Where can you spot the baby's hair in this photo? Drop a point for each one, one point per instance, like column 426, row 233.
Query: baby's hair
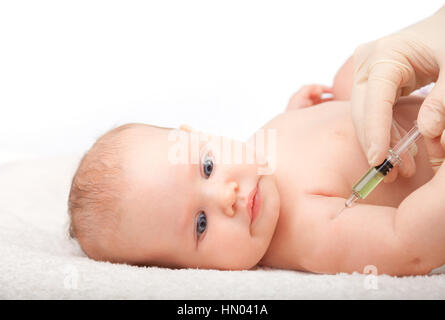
column 94, row 203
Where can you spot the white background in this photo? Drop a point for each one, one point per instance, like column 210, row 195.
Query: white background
column 70, row 70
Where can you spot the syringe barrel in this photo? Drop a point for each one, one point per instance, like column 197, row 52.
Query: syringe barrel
column 407, row 140
column 367, row 183
column 371, row 179
column 375, row 175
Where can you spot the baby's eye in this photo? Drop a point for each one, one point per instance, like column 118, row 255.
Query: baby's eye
column 207, row 166
column 201, row 224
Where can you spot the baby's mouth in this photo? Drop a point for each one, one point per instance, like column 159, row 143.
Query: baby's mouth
column 254, row 203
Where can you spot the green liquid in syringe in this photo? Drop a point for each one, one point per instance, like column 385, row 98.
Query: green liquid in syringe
column 371, row 179
column 375, row 175
column 368, row 182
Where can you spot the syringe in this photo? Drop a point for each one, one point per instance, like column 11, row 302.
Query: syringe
column 375, row 175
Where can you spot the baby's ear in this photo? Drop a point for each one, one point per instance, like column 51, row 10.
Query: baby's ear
column 186, row 127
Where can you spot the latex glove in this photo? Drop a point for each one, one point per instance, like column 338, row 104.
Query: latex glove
column 309, row 95
column 393, row 66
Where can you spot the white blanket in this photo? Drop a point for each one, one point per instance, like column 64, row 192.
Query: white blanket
column 38, row 261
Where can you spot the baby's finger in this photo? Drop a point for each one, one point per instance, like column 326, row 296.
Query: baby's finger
column 318, row 88
column 321, row 94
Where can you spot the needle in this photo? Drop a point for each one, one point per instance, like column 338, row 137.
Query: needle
column 340, row 211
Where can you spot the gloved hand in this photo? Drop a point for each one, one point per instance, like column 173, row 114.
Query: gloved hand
column 395, row 66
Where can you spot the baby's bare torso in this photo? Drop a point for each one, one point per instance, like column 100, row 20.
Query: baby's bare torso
column 318, row 154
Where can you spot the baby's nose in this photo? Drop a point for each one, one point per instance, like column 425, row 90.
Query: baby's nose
column 228, row 198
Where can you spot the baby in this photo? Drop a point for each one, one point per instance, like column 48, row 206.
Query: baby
column 142, row 197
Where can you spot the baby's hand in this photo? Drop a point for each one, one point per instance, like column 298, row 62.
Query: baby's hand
column 309, row 95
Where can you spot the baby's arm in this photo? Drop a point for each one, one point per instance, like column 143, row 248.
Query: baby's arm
column 311, row 95
column 398, row 241
column 343, row 80
column 308, row 96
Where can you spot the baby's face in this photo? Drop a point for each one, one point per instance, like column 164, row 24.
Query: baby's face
column 197, row 213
